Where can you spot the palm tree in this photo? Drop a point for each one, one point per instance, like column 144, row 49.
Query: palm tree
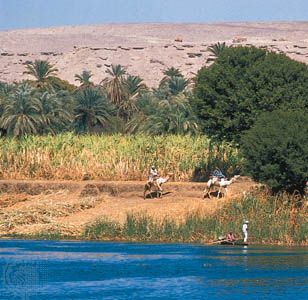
column 169, row 73
column 217, row 48
column 55, row 117
column 172, row 72
column 172, row 83
column 174, row 116
column 114, row 86
column 170, row 116
column 84, row 78
column 133, row 87
column 146, row 105
column 6, row 89
column 21, row 113
column 92, row 109
column 177, row 85
column 41, row 70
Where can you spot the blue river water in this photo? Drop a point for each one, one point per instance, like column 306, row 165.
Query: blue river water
column 111, row 270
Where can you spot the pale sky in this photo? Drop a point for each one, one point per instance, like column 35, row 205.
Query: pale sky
column 46, row 13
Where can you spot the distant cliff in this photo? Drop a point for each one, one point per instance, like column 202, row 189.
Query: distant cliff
column 146, row 49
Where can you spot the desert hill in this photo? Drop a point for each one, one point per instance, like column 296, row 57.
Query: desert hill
column 146, row 49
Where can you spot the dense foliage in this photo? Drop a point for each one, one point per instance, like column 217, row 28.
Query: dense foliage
column 242, row 83
column 121, row 103
column 276, row 150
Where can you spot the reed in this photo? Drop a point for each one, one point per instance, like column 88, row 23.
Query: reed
column 274, row 220
column 112, row 157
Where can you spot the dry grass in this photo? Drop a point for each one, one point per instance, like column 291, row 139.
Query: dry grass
column 7, row 200
column 43, row 211
column 115, row 157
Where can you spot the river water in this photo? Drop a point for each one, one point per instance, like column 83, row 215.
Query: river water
column 106, row 270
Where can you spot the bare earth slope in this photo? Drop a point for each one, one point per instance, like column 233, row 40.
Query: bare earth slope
column 146, row 49
column 28, row 207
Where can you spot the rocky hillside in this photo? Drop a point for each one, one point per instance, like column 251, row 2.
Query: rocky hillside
column 146, row 49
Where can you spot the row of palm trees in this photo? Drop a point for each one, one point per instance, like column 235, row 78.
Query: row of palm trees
column 120, row 103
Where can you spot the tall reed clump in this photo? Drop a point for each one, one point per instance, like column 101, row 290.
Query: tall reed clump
column 276, row 220
column 112, row 157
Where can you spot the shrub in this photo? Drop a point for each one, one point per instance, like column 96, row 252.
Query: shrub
column 242, row 83
column 276, row 150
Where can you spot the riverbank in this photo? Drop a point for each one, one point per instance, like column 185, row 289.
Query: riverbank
column 28, row 207
column 98, row 210
column 273, row 220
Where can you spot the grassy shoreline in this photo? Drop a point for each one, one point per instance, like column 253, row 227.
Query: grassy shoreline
column 273, row 220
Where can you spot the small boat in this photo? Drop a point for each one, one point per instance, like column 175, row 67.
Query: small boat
column 233, row 243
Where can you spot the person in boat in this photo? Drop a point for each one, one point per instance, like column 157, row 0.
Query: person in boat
column 153, row 174
column 222, row 238
column 245, row 231
column 230, row 237
column 218, row 174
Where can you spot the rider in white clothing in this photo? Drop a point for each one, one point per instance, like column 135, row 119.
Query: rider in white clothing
column 153, row 174
column 244, row 230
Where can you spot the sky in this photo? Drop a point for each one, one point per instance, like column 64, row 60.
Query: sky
column 48, row 13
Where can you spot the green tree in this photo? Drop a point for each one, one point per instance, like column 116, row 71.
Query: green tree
column 6, row 89
column 146, row 106
column 92, row 110
column 171, row 72
column 170, row 116
column 242, row 83
column 55, row 84
column 84, row 78
column 22, row 113
column 123, row 90
column 217, row 48
column 41, row 70
column 114, row 85
column 55, row 116
column 276, row 150
column 133, row 87
column 177, row 85
column 173, row 83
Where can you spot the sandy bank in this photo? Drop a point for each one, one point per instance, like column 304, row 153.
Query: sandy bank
column 28, row 207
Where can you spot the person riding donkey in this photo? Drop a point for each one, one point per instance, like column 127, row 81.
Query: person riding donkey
column 153, row 174
column 218, row 175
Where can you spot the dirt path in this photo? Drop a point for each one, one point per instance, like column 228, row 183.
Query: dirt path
column 28, row 207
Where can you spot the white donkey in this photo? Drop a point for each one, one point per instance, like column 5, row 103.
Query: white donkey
column 222, row 184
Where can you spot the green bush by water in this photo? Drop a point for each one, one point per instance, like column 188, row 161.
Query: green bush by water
column 275, row 220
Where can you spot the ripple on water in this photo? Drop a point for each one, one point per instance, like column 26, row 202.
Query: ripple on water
column 87, row 270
